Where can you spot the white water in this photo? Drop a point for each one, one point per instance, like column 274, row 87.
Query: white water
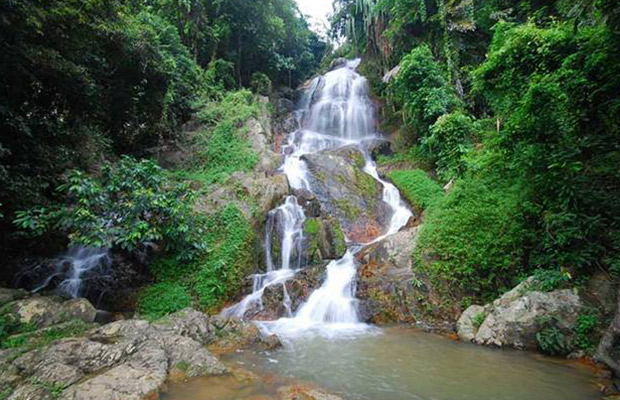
column 73, row 267
column 335, row 111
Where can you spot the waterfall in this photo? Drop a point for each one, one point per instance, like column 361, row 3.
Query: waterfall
column 334, row 111
column 79, row 264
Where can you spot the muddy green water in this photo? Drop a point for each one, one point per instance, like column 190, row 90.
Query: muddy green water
column 401, row 364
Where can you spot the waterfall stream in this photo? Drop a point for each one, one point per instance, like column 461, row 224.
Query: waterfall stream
column 334, row 111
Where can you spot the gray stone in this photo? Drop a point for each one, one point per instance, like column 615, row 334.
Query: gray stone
column 47, row 311
column 466, row 326
column 30, row 392
column 516, row 323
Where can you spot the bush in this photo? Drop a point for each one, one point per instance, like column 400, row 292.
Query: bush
column 548, row 280
column 261, row 84
column 417, row 187
column 553, row 342
column 421, row 89
column 474, row 237
column 163, row 298
column 585, row 329
column 128, row 205
column 451, row 138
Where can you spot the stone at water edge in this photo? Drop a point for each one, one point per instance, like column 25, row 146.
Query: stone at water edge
column 303, row 392
column 9, row 295
column 466, row 326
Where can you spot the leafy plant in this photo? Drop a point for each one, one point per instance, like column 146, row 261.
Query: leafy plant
column 548, row 280
column 417, row 187
column 478, row 319
column 163, row 298
column 584, row 330
column 128, row 205
column 552, row 341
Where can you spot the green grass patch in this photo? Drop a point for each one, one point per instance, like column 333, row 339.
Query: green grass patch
column 162, row 299
column 417, row 186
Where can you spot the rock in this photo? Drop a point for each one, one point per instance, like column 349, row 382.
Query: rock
column 48, row 311
column 467, row 326
column 338, row 63
column 129, row 359
column 389, row 290
column 514, row 321
column 324, row 240
column 347, row 192
column 233, row 334
column 31, row 392
column 391, row 74
column 9, row 295
column 259, row 137
column 602, row 292
column 303, row 392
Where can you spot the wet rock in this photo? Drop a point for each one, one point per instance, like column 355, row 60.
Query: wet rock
column 338, row 63
column 514, row 319
column 324, row 239
column 347, row 192
column 303, row 392
column 467, row 325
column 298, row 290
column 47, row 311
column 389, row 290
column 232, row 333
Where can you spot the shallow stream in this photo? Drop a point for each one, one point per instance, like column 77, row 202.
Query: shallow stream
column 399, row 364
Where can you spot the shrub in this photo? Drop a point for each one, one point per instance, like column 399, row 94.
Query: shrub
column 417, row 187
column 584, row 330
column 548, row 280
column 451, row 137
column 128, row 205
column 163, row 298
column 553, row 342
column 474, row 237
column 479, row 319
column 261, row 84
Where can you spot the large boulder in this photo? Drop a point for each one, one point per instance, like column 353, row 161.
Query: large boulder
column 517, row 323
column 514, row 319
column 347, row 192
column 390, row 290
column 47, row 311
column 129, row 359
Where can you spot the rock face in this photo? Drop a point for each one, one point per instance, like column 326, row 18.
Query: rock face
column 47, row 311
column 514, row 319
column 389, row 290
column 345, row 191
column 128, row 359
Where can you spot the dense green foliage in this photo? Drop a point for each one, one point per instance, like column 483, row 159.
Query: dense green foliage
column 127, row 205
column 518, row 102
column 85, row 81
column 417, row 186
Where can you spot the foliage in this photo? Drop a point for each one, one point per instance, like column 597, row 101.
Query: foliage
column 585, row 329
column 163, row 298
column 552, row 341
column 474, row 237
column 451, row 138
column 223, row 146
column 127, row 206
column 548, row 280
column 261, row 84
column 418, row 188
column 478, row 319
column 421, row 90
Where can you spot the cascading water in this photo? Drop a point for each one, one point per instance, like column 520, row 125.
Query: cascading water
column 74, row 267
column 287, row 221
column 335, row 111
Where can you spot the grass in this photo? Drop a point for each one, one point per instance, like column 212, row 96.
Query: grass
column 417, row 187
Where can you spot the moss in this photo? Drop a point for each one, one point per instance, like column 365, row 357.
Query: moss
column 350, row 212
column 417, row 187
column 339, row 242
column 311, row 226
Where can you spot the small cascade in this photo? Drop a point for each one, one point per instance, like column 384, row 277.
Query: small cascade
column 286, row 223
column 335, row 111
column 78, row 265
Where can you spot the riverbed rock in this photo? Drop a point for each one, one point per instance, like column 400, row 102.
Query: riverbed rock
column 233, row 334
column 389, row 290
column 468, row 323
column 324, row 239
column 304, row 392
column 127, row 359
column 514, row 321
column 348, row 193
column 50, row 310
